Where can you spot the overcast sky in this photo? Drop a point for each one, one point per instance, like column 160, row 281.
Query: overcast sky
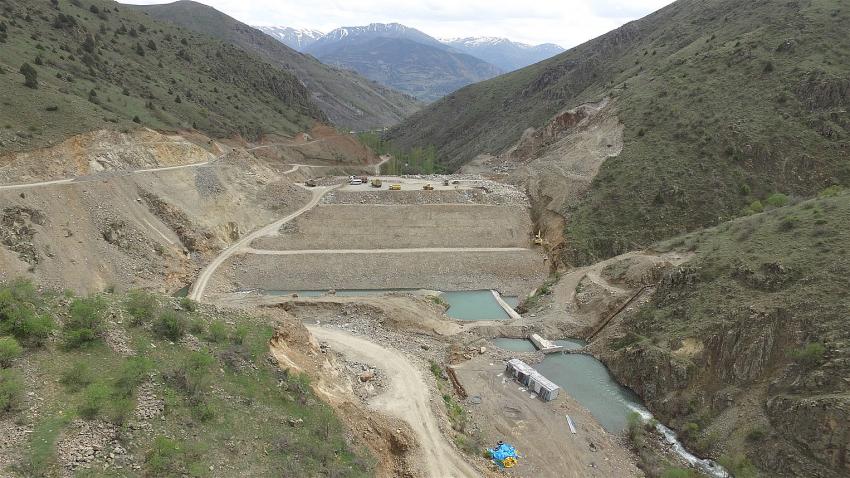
column 565, row 22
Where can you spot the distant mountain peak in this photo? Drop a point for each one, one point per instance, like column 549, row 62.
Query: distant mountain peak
column 502, row 52
column 295, row 38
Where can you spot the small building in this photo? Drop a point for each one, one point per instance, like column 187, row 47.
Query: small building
column 528, row 377
column 545, row 346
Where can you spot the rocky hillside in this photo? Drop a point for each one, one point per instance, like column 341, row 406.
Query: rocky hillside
column 402, row 58
column 139, row 385
column 506, row 54
column 746, row 348
column 348, row 99
column 74, row 66
column 723, row 103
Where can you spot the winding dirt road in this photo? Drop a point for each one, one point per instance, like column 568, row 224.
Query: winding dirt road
column 200, row 285
column 298, row 252
column 407, row 398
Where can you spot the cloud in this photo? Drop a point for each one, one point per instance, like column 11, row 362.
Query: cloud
column 565, row 22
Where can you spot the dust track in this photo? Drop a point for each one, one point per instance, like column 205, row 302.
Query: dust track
column 269, row 252
column 407, row 397
column 200, row 285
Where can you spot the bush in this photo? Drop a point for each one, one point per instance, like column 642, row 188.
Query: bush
column 636, row 430
column 171, row 325
column 164, row 457
column 188, row 304
column 94, row 398
column 192, row 376
column 86, row 322
column 133, row 372
column 831, row 191
column 10, row 349
column 756, row 435
column 11, row 390
column 30, row 76
column 240, row 334
column 119, row 409
column 777, row 200
column 218, row 331
column 810, row 354
column 678, row 473
column 141, row 306
column 19, row 304
column 738, row 466
column 757, row 207
column 77, row 377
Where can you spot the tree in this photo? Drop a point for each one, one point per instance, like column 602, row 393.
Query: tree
column 88, row 43
column 30, row 76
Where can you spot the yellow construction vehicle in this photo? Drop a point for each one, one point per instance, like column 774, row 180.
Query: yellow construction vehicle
column 395, row 187
column 538, row 239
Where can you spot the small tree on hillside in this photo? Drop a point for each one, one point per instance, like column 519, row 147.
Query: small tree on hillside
column 30, row 76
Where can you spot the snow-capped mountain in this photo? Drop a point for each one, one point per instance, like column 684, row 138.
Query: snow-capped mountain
column 295, row 38
column 372, row 31
column 506, row 54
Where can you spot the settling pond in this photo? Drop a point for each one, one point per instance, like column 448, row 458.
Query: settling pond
column 472, row 305
column 589, row 382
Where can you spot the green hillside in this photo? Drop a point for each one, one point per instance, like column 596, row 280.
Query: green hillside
column 138, row 385
column 724, row 103
column 348, row 99
column 746, row 349
column 100, row 64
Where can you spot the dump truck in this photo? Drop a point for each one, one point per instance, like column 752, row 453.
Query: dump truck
column 310, row 183
column 395, row 187
column 377, row 183
column 428, row 187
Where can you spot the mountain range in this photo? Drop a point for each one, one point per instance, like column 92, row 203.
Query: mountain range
column 348, row 99
column 413, row 62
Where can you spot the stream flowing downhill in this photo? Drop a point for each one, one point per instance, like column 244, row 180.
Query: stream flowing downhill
column 589, row 382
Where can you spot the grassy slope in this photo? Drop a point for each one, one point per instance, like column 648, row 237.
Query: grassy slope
column 223, row 91
column 348, row 99
column 723, row 101
column 231, row 414
column 762, row 296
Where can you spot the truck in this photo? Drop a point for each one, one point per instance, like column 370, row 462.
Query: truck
column 377, row 183
column 428, row 187
column 395, row 187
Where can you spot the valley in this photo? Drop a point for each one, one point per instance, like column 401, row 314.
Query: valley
column 629, row 259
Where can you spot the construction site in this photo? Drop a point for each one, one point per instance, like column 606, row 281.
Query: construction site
column 400, row 296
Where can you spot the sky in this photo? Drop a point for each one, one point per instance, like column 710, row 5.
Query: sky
column 564, row 22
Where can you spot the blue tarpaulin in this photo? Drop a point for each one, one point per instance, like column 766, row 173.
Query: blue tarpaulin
column 502, row 453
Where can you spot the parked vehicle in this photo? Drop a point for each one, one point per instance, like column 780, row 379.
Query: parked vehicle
column 395, row 187
column 377, row 183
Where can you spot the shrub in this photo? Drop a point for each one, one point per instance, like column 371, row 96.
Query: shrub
column 788, row 223
column 77, row 377
column 757, row 207
column 756, row 434
column 30, row 76
column 678, row 473
column 94, row 398
column 830, row 192
column 11, row 390
column 132, row 373
column 240, row 334
column 192, row 376
column 19, row 302
column 166, row 456
column 203, row 412
column 738, row 465
column 171, row 325
column 119, row 409
column 188, row 304
column 810, row 354
column 10, row 349
column 636, row 430
column 218, row 331
column 141, row 306
column 86, row 322
column 777, row 200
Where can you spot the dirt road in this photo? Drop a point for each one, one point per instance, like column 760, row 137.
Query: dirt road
column 407, row 397
column 200, row 285
column 85, row 179
column 269, row 252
